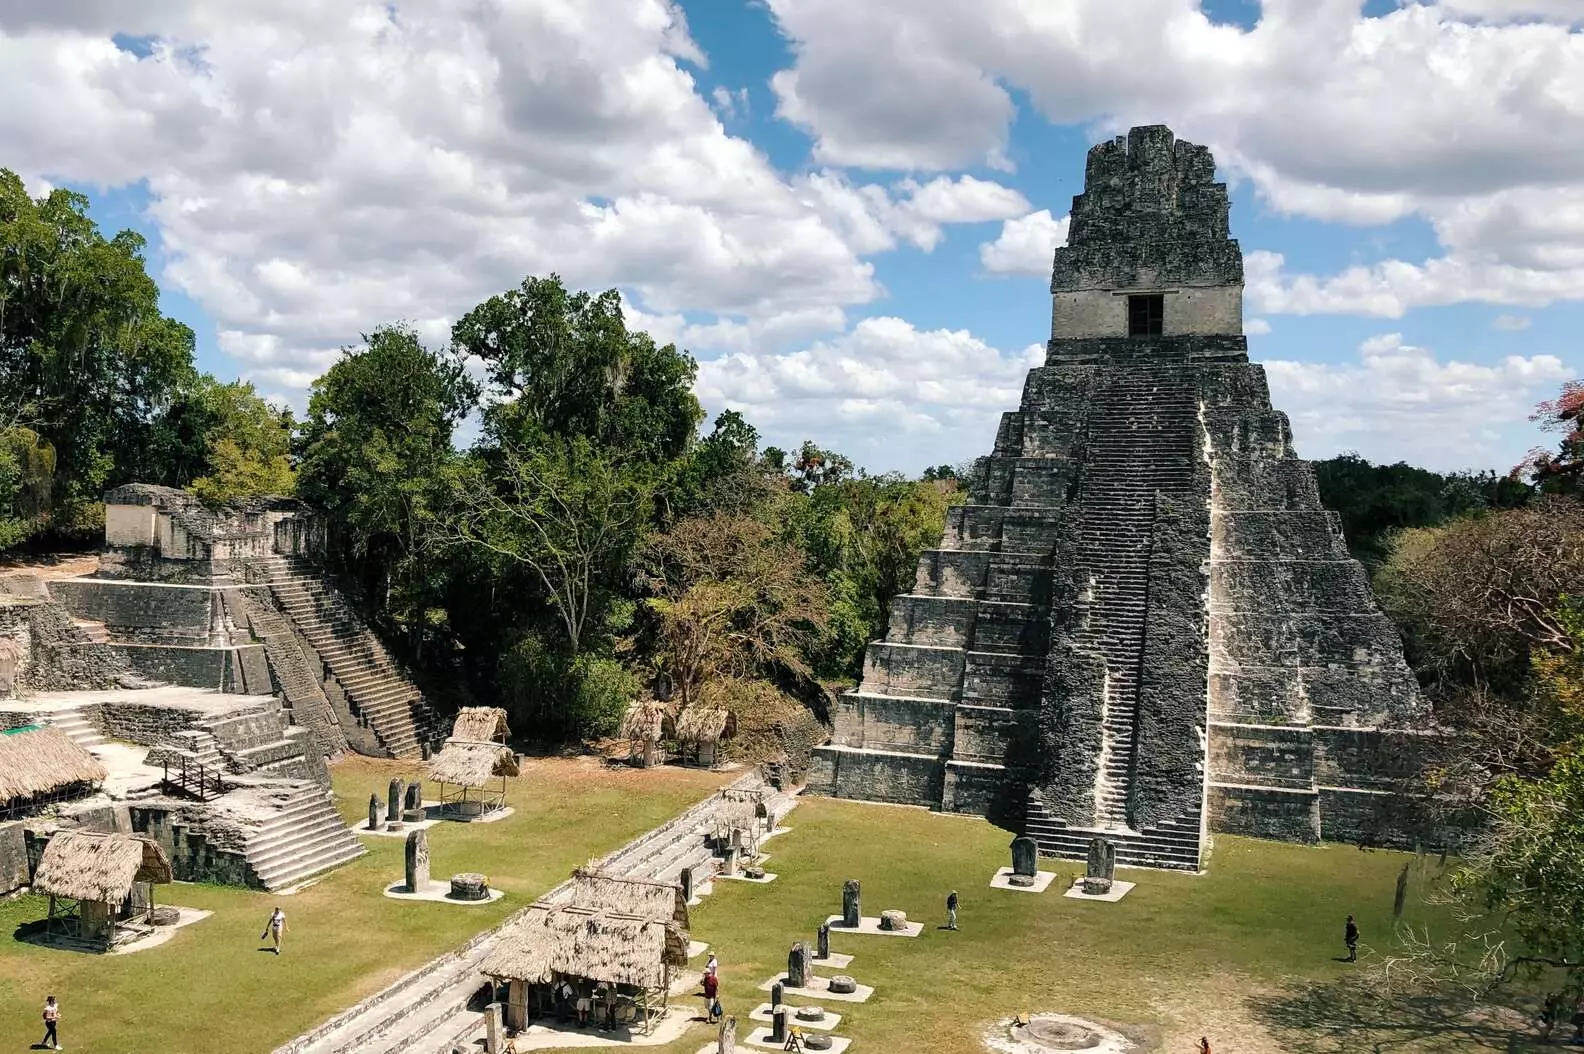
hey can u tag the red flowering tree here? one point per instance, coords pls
(1562, 471)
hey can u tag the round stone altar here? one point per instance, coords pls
(809, 1013)
(893, 920)
(841, 984)
(1051, 1033)
(469, 885)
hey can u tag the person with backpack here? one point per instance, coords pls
(712, 1007)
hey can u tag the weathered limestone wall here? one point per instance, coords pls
(1190, 310)
(14, 865)
(199, 851)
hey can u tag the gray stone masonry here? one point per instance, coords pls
(1142, 622)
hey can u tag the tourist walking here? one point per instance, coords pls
(712, 965)
(951, 910)
(51, 1024)
(1350, 938)
(275, 927)
(1204, 1045)
(711, 1004)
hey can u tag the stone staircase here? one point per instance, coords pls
(304, 837)
(1174, 845)
(1138, 448)
(426, 1011)
(303, 694)
(77, 727)
(377, 689)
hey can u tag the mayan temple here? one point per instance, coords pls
(1142, 623)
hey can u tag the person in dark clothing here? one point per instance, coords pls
(951, 910)
(1350, 937)
(711, 1006)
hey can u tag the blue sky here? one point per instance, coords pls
(813, 208)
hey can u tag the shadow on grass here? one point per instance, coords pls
(1350, 1017)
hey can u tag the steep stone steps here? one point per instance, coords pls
(377, 690)
(1174, 845)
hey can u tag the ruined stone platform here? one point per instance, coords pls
(869, 925)
(1003, 880)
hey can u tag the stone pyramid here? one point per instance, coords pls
(1143, 623)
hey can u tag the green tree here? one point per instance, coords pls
(87, 361)
(564, 510)
(374, 449)
(561, 363)
(246, 444)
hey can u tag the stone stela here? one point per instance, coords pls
(852, 913)
(1141, 624)
(1100, 869)
(393, 806)
(416, 858)
(1025, 861)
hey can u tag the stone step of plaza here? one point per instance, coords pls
(426, 1010)
(303, 837)
(77, 727)
(92, 631)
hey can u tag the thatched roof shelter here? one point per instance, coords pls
(645, 720)
(480, 724)
(595, 891)
(552, 940)
(467, 764)
(88, 865)
(705, 724)
(37, 761)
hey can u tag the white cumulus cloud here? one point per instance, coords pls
(1401, 402)
(1025, 245)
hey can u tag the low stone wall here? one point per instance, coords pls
(901, 779)
(140, 612)
(14, 866)
(140, 723)
(1264, 812)
(196, 855)
(877, 722)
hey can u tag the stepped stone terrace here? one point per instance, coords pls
(1142, 624)
(210, 671)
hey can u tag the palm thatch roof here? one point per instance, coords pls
(467, 764)
(736, 814)
(705, 724)
(661, 901)
(550, 940)
(87, 865)
(645, 720)
(43, 760)
(480, 724)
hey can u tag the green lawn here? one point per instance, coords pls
(1243, 954)
(209, 989)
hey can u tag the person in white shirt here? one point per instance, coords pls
(275, 927)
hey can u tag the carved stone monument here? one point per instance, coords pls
(778, 1022)
(417, 860)
(841, 984)
(822, 945)
(893, 921)
(1101, 868)
(817, 1041)
(1025, 859)
(374, 812)
(726, 1039)
(686, 881)
(852, 911)
(777, 994)
(493, 1034)
(393, 805)
(799, 968)
(414, 811)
